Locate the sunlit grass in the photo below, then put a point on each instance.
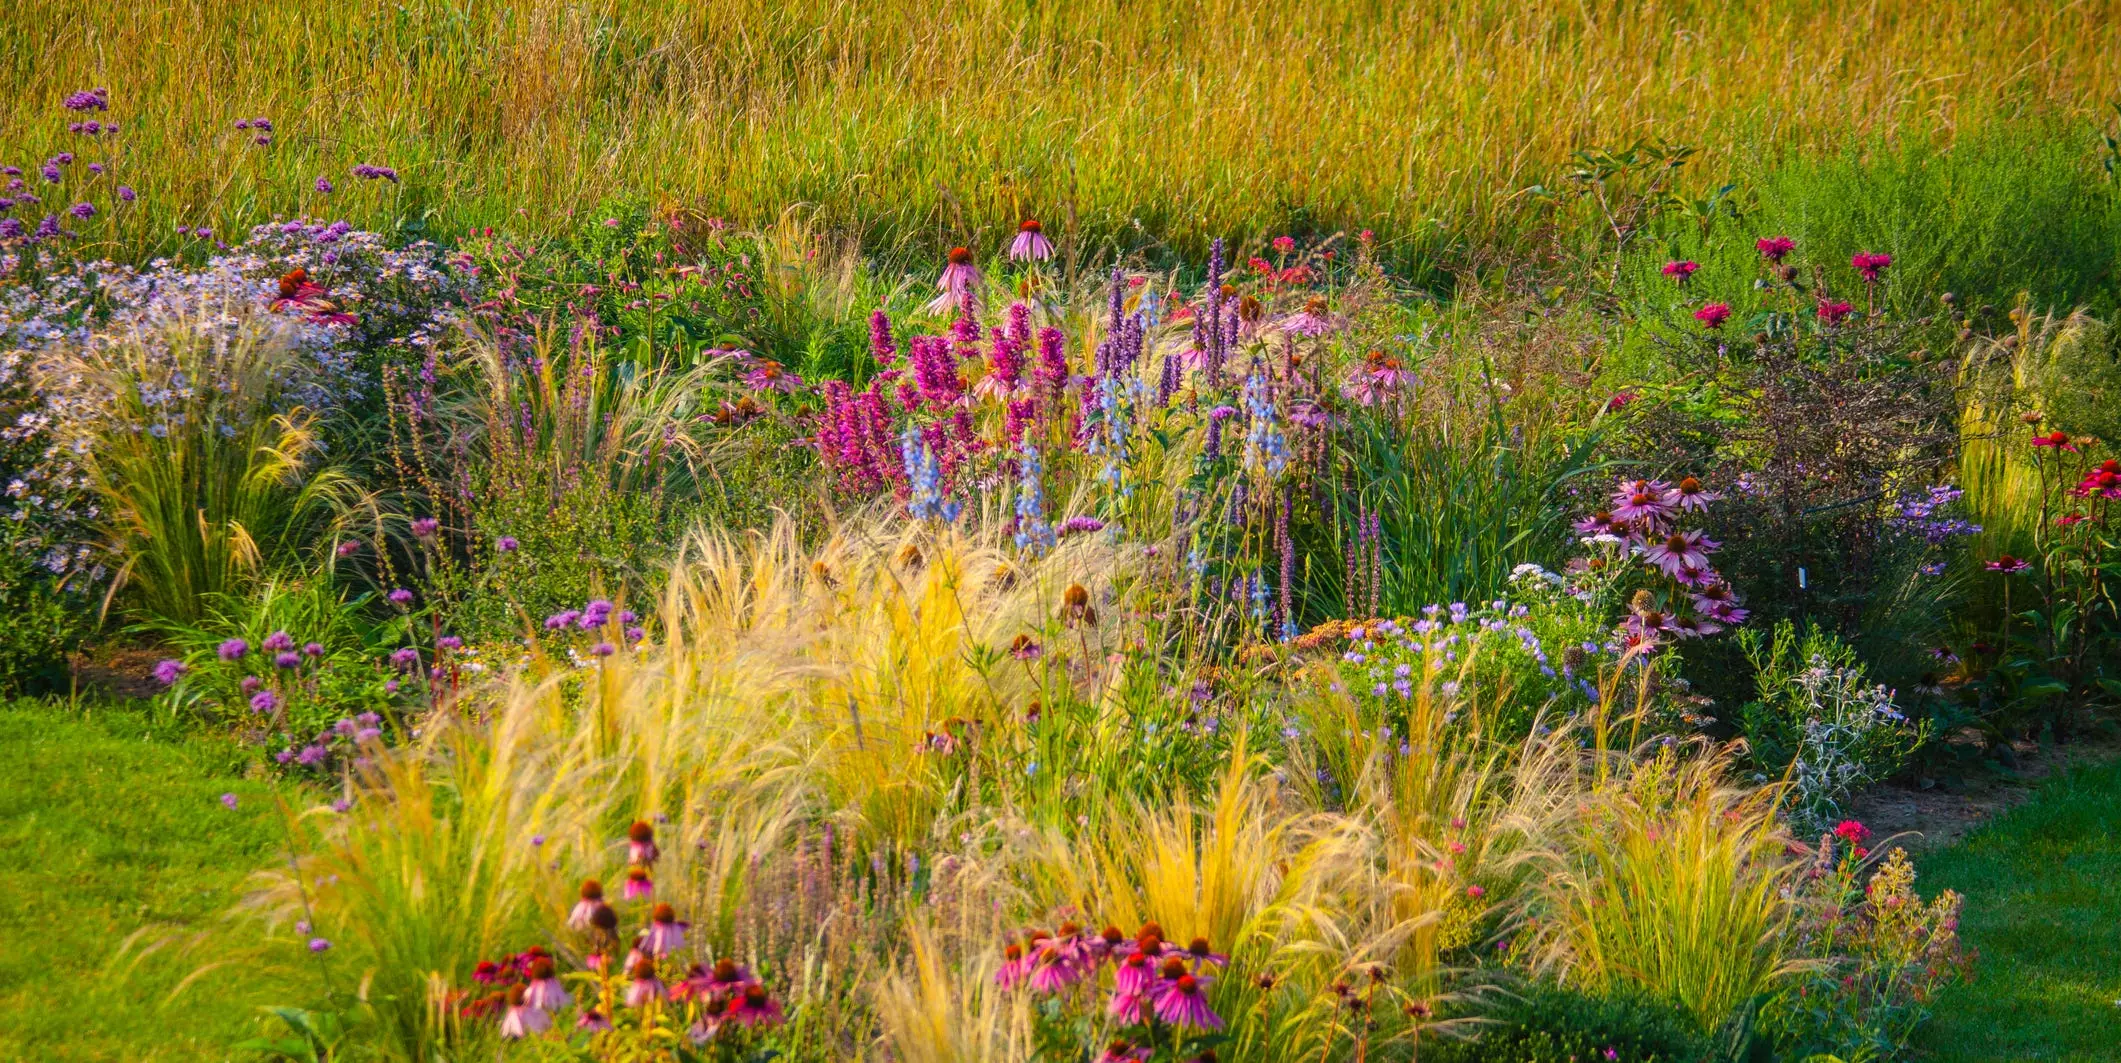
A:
(941, 125)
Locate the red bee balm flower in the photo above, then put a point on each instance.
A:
(1871, 265)
(1680, 271)
(1775, 248)
(1713, 315)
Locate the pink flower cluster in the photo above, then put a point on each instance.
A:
(1150, 977)
(1645, 517)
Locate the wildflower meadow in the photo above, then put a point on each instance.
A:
(1082, 533)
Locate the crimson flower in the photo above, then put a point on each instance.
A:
(1713, 315)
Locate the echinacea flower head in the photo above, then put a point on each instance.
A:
(592, 898)
(1134, 974)
(1713, 315)
(726, 978)
(756, 1008)
(1775, 248)
(665, 934)
(1015, 967)
(1199, 952)
(1643, 500)
(1181, 1002)
(638, 885)
(2009, 565)
(2055, 440)
(593, 1021)
(640, 843)
(1315, 319)
(1693, 497)
(1123, 1051)
(1030, 244)
(645, 986)
(1680, 552)
(957, 282)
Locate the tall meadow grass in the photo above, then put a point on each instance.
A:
(906, 122)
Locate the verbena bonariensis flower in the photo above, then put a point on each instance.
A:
(97, 99)
(1713, 315)
(1775, 248)
(1030, 244)
(957, 282)
(1681, 272)
(376, 173)
(167, 672)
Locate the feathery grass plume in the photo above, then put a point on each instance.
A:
(935, 1008)
(187, 419)
(1673, 879)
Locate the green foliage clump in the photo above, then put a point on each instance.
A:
(1541, 1022)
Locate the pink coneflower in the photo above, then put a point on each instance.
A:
(522, 1019)
(1134, 974)
(1693, 497)
(1834, 312)
(1313, 320)
(726, 978)
(639, 887)
(1030, 244)
(1598, 523)
(1871, 264)
(959, 278)
(545, 990)
(1775, 248)
(646, 986)
(2008, 564)
(1180, 1002)
(768, 375)
(1107, 944)
(705, 1028)
(1648, 624)
(756, 1008)
(1054, 969)
(1680, 271)
(1199, 952)
(640, 844)
(1713, 315)
(1014, 968)
(665, 934)
(2056, 440)
(593, 1021)
(1650, 500)
(1379, 378)
(1716, 602)
(1680, 551)
(592, 899)
(1123, 1051)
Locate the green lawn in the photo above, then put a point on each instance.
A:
(112, 826)
(2044, 908)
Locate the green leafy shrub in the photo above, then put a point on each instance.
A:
(1817, 716)
(44, 622)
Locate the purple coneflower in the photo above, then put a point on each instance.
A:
(1680, 551)
(665, 934)
(1313, 320)
(1693, 497)
(725, 978)
(593, 1021)
(1030, 244)
(646, 986)
(2008, 564)
(756, 1008)
(1598, 523)
(1199, 952)
(1123, 1051)
(959, 278)
(639, 887)
(1180, 1002)
(584, 911)
(1650, 500)
(1054, 969)
(523, 1018)
(1014, 968)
